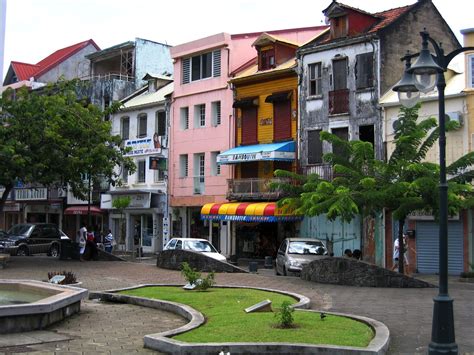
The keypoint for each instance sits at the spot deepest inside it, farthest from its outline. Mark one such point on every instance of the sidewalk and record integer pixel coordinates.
(406, 312)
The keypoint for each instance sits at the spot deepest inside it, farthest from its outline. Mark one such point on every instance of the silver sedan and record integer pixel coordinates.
(294, 253)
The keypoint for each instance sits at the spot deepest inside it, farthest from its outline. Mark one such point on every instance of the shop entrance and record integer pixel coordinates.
(142, 233)
(256, 240)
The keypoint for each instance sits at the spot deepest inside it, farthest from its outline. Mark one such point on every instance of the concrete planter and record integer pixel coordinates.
(163, 342)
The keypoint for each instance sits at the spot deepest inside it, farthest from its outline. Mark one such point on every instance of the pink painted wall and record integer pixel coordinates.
(236, 50)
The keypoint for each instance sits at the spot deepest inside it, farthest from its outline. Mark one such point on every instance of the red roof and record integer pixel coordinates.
(389, 16)
(25, 71)
(385, 18)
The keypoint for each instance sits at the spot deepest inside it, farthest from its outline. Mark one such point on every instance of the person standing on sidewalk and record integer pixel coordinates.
(109, 242)
(81, 238)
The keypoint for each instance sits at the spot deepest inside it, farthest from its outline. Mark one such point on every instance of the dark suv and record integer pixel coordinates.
(32, 238)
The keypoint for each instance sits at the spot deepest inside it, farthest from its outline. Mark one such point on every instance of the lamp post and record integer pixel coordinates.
(426, 73)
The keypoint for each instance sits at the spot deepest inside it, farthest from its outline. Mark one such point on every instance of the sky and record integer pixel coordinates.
(36, 28)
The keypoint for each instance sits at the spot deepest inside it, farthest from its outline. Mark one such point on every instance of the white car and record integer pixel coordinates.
(195, 244)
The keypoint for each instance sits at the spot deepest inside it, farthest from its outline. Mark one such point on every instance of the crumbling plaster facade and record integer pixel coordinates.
(363, 109)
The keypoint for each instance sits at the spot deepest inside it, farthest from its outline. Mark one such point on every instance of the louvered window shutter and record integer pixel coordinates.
(216, 59)
(186, 70)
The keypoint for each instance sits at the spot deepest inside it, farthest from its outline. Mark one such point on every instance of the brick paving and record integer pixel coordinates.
(119, 329)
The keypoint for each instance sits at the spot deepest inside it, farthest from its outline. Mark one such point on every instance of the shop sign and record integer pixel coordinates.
(106, 201)
(420, 215)
(257, 156)
(40, 193)
(142, 146)
(12, 207)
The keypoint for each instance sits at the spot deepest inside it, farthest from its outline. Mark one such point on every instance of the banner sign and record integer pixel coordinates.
(143, 146)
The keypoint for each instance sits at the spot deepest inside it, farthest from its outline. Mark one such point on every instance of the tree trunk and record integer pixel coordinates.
(6, 192)
(401, 247)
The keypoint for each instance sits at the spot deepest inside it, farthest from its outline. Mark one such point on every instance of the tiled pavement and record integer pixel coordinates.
(118, 329)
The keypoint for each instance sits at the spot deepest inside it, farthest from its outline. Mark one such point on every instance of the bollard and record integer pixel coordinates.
(253, 266)
(268, 262)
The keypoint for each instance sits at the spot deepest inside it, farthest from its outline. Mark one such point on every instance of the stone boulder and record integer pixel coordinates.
(172, 259)
(352, 272)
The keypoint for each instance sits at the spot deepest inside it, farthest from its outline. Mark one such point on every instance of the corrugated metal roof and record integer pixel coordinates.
(253, 70)
(266, 37)
(25, 71)
(61, 55)
(147, 99)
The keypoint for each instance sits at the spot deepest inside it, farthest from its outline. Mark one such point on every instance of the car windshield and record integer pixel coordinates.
(20, 229)
(199, 245)
(306, 247)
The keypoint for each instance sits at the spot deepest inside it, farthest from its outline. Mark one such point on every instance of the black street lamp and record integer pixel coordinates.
(426, 73)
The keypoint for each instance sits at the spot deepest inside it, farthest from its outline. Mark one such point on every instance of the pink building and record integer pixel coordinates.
(202, 126)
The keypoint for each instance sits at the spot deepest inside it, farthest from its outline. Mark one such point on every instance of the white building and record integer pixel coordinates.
(142, 123)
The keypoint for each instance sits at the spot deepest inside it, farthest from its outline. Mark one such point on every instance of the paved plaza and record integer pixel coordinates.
(119, 328)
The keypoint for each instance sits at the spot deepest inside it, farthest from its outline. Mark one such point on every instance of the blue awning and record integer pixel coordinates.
(284, 151)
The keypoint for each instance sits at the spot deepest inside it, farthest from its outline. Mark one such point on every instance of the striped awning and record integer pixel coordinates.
(248, 212)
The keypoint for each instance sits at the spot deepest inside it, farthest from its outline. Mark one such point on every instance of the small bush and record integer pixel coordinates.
(207, 282)
(193, 277)
(189, 274)
(469, 274)
(284, 315)
(70, 278)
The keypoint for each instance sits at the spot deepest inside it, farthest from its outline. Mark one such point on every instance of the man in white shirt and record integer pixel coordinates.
(82, 237)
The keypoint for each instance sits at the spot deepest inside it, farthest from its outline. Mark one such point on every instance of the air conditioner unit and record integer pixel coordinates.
(455, 116)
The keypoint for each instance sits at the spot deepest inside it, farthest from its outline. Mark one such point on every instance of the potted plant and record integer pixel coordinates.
(68, 278)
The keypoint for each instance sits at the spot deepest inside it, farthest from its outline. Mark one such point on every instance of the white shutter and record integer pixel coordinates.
(186, 63)
(216, 60)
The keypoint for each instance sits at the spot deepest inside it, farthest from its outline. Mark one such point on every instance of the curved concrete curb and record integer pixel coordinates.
(163, 342)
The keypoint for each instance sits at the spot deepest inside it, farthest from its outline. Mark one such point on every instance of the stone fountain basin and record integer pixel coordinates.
(55, 303)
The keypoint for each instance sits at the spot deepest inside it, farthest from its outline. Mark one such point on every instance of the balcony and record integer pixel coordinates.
(198, 185)
(254, 189)
(338, 101)
(323, 170)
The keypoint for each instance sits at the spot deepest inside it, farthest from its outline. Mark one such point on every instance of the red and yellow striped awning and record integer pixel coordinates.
(248, 212)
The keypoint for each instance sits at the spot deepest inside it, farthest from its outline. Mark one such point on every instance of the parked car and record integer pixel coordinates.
(195, 244)
(33, 238)
(3, 234)
(294, 253)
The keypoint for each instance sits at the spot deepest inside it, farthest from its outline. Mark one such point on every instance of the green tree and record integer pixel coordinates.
(120, 204)
(52, 137)
(363, 185)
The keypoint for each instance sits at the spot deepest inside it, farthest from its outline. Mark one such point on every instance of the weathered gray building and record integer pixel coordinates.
(343, 74)
(117, 72)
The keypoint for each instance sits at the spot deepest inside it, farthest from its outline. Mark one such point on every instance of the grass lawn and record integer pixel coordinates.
(226, 320)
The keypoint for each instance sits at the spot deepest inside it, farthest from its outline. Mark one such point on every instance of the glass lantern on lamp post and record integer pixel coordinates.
(426, 73)
(408, 93)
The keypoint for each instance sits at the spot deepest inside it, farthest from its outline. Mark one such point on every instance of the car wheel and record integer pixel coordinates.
(284, 271)
(54, 251)
(22, 251)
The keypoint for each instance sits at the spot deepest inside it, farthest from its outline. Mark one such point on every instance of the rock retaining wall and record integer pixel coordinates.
(172, 259)
(352, 272)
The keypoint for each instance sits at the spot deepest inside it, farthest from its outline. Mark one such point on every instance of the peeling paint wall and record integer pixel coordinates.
(151, 57)
(363, 103)
(148, 57)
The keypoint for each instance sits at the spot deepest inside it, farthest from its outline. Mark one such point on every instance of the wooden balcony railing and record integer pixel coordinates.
(338, 101)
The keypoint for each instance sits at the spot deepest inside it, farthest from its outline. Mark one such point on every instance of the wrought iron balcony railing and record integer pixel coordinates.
(254, 189)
